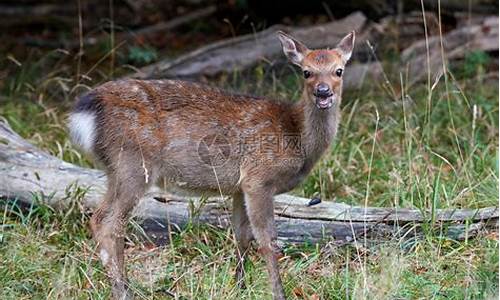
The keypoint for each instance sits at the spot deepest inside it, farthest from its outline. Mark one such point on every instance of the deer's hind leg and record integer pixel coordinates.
(126, 185)
(243, 234)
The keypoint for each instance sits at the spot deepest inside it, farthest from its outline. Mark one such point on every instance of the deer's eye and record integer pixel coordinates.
(307, 74)
(338, 72)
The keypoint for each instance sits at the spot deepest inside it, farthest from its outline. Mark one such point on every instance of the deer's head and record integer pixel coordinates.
(322, 69)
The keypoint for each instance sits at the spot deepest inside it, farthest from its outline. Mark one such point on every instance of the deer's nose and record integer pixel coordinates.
(323, 90)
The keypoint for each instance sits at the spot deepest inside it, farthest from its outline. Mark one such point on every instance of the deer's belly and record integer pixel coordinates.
(288, 183)
(186, 177)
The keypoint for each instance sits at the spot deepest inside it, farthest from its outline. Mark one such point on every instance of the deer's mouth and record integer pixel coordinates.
(324, 101)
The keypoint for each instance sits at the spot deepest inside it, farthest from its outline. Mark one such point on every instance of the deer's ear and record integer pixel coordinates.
(293, 49)
(346, 45)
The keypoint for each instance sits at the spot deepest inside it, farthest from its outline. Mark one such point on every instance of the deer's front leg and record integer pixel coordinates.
(260, 209)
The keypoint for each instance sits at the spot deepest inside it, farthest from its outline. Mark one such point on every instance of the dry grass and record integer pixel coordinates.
(431, 146)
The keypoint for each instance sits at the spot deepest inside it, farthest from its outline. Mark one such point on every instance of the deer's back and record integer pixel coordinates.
(193, 135)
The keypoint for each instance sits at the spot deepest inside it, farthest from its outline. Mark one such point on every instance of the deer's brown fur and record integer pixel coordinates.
(163, 132)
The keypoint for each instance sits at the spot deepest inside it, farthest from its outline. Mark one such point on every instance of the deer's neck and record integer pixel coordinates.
(319, 127)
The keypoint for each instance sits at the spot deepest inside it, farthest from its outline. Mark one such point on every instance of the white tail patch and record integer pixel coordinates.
(82, 129)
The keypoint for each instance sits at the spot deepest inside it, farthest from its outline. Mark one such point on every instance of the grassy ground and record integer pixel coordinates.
(398, 146)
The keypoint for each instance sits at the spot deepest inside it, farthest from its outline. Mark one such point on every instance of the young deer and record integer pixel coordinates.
(199, 139)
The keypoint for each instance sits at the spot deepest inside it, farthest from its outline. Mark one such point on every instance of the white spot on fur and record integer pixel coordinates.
(104, 256)
(82, 129)
(242, 176)
(146, 173)
(135, 88)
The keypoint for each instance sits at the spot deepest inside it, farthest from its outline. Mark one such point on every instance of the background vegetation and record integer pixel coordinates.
(422, 146)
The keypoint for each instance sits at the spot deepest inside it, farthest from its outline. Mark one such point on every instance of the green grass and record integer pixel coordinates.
(441, 153)
(49, 254)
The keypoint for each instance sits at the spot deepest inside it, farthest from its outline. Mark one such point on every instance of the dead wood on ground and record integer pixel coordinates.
(27, 173)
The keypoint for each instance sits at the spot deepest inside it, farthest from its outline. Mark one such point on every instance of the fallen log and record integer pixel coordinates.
(242, 52)
(28, 11)
(452, 6)
(245, 51)
(12, 16)
(375, 9)
(139, 34)
(27, 173)
(482, 35)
